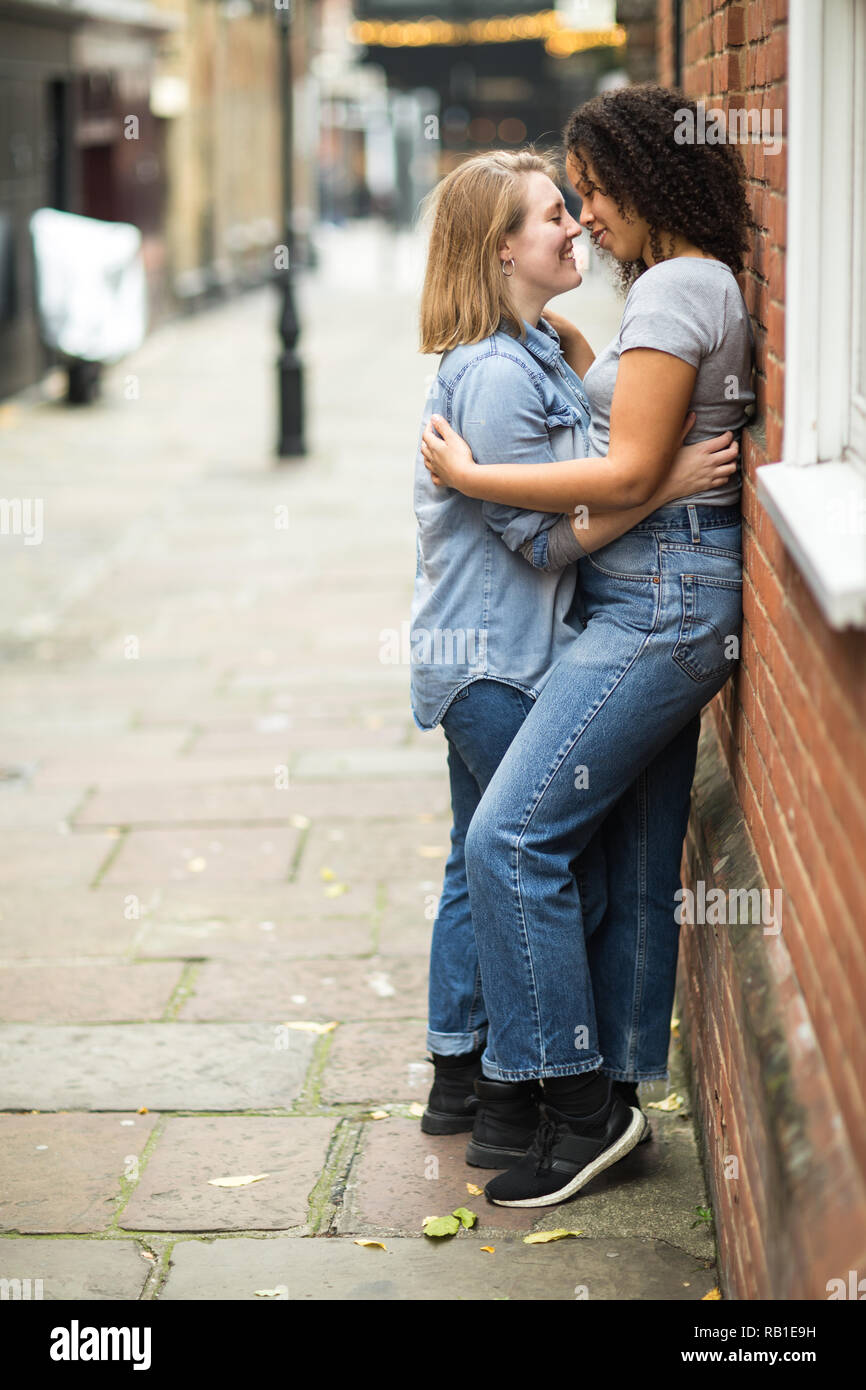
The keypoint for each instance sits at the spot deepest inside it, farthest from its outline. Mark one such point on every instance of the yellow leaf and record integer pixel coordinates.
(489, 1249)
(473, 1190)
(336, 890)
(142, 1110)
(327, 874)
(238, 1182)
(416, 1108)
(671, 1102)
(542, 1237)
(711, 1296)
(303, 1026)
(378, 1115)
(371, 1244)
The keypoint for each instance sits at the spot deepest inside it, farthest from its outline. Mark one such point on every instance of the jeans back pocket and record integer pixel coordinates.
(711, 625)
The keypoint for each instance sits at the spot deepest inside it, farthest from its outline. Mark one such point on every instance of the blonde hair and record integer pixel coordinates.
(466, 295)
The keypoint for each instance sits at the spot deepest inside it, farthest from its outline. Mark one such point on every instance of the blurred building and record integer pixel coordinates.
(76, 133)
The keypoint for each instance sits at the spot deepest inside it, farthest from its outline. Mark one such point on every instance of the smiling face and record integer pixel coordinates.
(626, 238)
(542, 249)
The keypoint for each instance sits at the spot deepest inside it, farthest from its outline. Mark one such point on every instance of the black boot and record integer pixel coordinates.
(452, 1102)
(628, 1091)
(505, 1124)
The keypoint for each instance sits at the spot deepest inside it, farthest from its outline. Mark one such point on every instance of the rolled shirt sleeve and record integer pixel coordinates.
(501, 414)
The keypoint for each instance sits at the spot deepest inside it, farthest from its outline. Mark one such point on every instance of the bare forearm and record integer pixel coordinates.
(557, 487)
(595, 528)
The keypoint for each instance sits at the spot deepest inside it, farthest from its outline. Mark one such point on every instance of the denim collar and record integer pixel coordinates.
(541, 341)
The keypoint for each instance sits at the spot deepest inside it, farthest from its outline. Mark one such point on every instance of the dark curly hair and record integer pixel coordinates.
(693, 190)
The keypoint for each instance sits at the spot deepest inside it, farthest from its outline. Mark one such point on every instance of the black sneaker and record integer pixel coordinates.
(566, 1154)
(505, 1122)
(627, 1090)
(452, 1102)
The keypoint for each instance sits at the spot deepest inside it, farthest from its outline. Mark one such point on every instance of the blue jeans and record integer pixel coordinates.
(663, 605)
(479, 725)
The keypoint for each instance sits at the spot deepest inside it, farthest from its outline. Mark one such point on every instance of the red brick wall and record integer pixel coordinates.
(793, 723)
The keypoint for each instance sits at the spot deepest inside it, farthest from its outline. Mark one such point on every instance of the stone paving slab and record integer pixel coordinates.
(25, 809)
(174, 1192)
(103, 771)
(165, 1066)
(61, 922)
(31, 856)
(224, 855)
(406, 922)
(334, 989)
(374, 763)
(403, 1175)
(238, 801)
(83, 993)
(77, 1270)
(458, 1270)
(385, 848)
(299, 734)
(272, 938)
(63, 1172)
(377, 1062)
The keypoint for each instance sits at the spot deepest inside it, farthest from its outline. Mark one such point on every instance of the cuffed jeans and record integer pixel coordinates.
(664, 610)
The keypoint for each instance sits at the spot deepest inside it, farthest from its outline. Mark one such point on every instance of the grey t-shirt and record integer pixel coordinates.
(691, 308)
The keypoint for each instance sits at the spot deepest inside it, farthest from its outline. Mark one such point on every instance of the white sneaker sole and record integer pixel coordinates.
(623, 1145)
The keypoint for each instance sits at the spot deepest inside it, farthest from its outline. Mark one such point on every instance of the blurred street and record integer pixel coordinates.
(225, 836)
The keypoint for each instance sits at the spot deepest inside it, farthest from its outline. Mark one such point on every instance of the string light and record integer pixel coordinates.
(559, 41)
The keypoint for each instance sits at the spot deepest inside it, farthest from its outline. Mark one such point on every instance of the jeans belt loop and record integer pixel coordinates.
(693, 521)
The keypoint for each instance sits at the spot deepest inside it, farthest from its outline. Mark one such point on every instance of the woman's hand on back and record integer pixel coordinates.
(446, 454)
(701, 467)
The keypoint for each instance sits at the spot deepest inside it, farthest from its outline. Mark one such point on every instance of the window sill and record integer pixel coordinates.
(819, 511)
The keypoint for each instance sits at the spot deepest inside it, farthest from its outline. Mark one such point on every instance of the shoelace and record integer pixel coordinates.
(545, 1137)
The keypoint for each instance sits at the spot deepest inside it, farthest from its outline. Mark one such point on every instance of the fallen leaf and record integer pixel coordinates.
(378, 1115)
(489, 1249)
(416, 1109)
(336, 890)
(437, 1226)
(142, 1110)
(308, 1027)
(466, 1218)
(196, 865)
(711, 1296)
(473, 1190)
(671, 1102)
(146, 1255)
(542, 1237)
(327, 874)
(243, 1181)
(371, 1244)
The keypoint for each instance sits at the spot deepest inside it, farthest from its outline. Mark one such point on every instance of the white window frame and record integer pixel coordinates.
(816, 496)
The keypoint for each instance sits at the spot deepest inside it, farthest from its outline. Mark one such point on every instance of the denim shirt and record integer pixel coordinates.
(480, 611)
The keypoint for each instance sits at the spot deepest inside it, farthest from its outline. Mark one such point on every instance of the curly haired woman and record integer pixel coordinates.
(663, 610)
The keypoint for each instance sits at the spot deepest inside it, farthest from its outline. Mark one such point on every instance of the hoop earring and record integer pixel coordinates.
(507, 273)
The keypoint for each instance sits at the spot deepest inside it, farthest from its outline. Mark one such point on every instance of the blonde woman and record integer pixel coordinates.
(496, 600)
